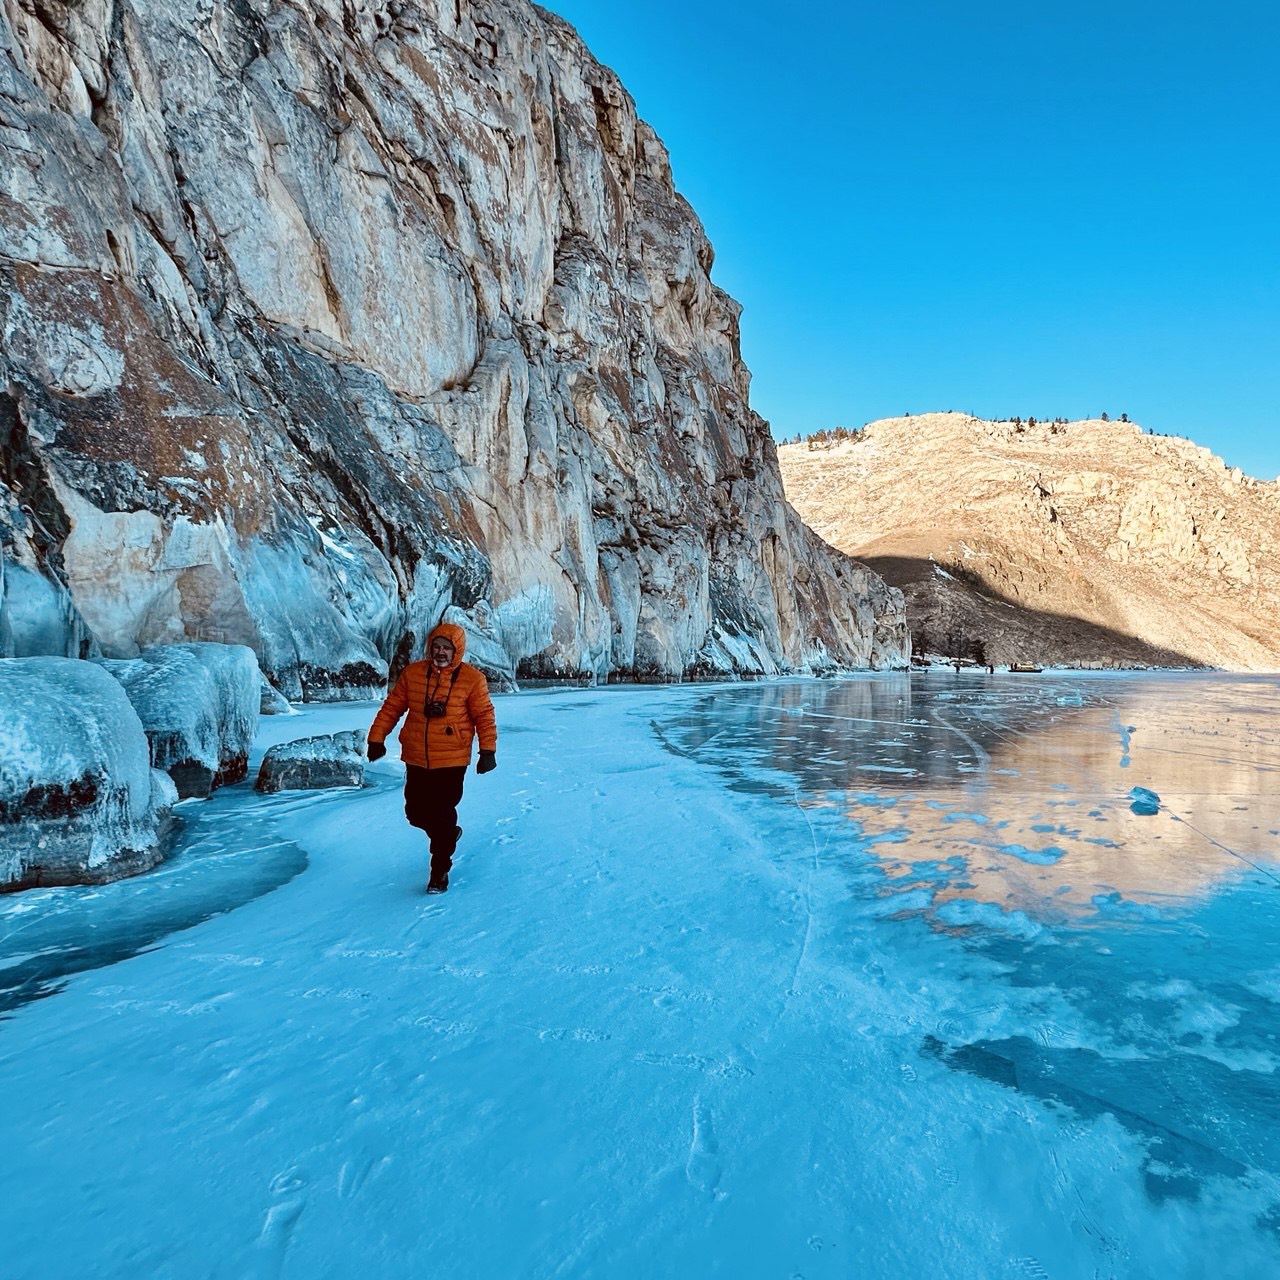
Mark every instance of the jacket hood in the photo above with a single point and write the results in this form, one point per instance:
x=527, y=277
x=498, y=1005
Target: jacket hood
x=450, y=631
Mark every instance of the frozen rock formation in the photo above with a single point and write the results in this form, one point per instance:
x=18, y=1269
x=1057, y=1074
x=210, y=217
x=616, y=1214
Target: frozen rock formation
x=331, y=760
x=79, y=801
x=199, y=706
x=320, y=317
x=1083, y=543
x=271, y=702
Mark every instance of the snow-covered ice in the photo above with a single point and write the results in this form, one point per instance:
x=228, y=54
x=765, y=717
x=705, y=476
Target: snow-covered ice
x=876, y=977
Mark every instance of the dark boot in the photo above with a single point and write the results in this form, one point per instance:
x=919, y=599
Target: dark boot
x=438, y=884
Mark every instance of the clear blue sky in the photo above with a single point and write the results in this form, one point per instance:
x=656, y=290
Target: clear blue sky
x=1000, y=206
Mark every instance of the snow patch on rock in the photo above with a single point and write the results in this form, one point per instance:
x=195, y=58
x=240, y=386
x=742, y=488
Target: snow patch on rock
x=329, y=760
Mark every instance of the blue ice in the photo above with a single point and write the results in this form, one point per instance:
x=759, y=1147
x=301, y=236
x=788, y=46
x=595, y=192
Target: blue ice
x=1145, y=803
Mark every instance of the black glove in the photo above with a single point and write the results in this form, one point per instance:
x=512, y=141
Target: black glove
x=377, y=750
x=488, y=760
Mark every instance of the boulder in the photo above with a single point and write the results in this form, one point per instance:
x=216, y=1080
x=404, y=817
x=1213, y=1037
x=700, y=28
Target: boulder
x=79, y=800
x=309, y=764
x=272, y=702
x=199, y=705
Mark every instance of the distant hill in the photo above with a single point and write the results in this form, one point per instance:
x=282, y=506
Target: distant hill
x=1081, y=543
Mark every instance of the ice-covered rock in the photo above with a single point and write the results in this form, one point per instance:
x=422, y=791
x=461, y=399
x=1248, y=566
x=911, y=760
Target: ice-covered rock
x=271, y=702
x=79, y=801
x=38, y=618
x=317, y=320
x=330, y=760
x=199, y=705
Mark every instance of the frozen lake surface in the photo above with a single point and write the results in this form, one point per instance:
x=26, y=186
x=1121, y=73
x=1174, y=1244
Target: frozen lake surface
x=941, y=974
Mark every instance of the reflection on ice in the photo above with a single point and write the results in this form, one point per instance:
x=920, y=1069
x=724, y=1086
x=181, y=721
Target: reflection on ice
x=1102, y=847
x=1039, y=786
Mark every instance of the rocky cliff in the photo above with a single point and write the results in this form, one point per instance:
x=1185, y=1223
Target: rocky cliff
x=322, y=316
x=1089, y=543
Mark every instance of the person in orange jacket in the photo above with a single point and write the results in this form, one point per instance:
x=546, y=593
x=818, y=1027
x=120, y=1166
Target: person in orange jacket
x=449, y=705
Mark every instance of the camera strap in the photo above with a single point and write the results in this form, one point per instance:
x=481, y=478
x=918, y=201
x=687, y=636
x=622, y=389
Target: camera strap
x=453, y=679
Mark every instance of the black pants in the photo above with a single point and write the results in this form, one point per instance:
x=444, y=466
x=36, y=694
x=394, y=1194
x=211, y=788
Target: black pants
x=431, y=803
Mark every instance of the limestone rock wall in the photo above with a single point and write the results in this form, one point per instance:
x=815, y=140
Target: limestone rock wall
x=319, y=317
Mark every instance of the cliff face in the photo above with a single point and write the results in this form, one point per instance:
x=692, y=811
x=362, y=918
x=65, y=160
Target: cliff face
x=321, y=316
x=1086, y=542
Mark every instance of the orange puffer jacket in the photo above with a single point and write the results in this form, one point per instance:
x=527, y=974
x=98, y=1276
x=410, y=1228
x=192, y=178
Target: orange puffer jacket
x=438, y=742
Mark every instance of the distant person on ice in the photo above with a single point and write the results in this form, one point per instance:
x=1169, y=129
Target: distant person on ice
x=448, y=704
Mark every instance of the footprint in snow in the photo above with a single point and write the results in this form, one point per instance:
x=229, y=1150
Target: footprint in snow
x=703, y=1168
x=443, y=1027
x=695, y=1062
x=1029, y=1267
x=288, y=1200
x=355, y=1173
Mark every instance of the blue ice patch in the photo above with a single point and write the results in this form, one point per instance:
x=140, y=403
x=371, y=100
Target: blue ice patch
x=874, y=801
x=1045, y=857
x=1144, y=802
x=899, y=835
x=1115, y=906
x=988, y=915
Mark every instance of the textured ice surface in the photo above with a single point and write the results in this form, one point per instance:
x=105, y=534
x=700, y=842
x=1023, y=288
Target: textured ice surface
x=1178, y=876
x=701, y=992
x=48, y=934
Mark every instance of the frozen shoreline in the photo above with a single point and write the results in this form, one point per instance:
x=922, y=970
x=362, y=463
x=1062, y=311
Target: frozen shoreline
x=676, y=1007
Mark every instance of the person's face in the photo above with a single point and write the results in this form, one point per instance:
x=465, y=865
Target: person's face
x=441, y=651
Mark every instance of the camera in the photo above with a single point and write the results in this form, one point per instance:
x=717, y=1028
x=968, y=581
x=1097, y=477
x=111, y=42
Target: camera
x=434, y=709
